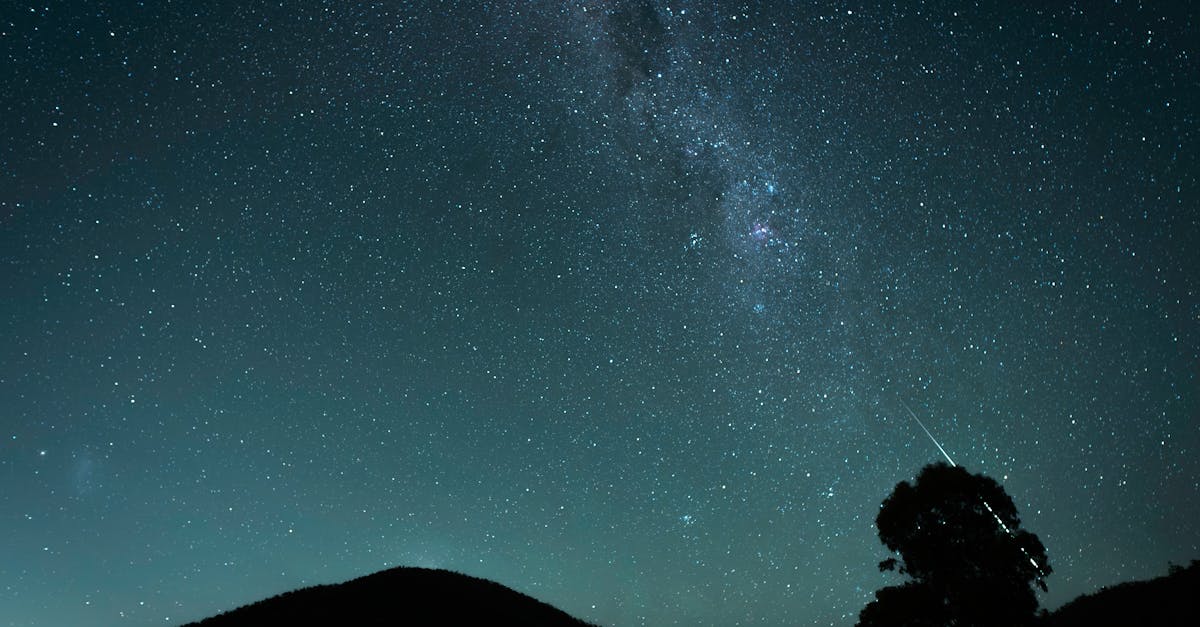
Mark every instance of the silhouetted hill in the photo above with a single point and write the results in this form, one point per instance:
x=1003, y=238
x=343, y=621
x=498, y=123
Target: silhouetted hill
x=1168, y=601
x=399, y=596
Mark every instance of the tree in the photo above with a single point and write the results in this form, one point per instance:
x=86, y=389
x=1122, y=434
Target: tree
x=960, y=543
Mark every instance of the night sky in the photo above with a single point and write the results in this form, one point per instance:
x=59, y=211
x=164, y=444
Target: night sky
x=616, y=304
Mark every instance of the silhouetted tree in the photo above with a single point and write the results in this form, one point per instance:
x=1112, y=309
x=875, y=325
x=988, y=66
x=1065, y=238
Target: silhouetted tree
x=960, y=542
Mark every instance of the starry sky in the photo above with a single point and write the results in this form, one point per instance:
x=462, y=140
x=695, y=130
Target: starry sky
x=618, y=304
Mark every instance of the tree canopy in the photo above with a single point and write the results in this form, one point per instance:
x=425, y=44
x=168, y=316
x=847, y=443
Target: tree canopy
x=959, y=541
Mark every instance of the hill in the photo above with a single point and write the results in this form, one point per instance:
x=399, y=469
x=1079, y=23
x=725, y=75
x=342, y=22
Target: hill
x=399, y=596
x=1166, y=601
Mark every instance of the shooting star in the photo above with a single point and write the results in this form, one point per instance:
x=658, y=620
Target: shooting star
x=986, y=505
x=922, y=425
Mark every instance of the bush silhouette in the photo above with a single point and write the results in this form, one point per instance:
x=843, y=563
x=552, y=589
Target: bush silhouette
x=1167, y=601
x=960, y=542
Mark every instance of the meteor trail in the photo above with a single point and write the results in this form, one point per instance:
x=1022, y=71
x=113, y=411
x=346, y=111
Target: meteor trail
x=922, y=425
x=986, y=505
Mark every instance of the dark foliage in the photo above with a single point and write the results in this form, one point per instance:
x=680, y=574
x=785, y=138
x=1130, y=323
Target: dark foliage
x=400, y=596
x=911, y=604
x=960, y=542
x=1167, y=601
